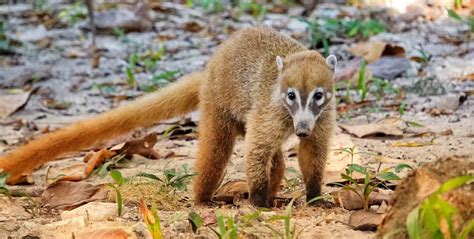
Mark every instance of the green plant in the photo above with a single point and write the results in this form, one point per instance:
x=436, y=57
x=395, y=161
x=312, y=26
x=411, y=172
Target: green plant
x=467, y=20
x=3, y=183
x=371, y=181
x=119, y=181
x=177, y=179
x=195, y=220
x=226, y=226
x=152, y=219
x=361, y=81
x=356, y=27
x=73, y=13
x=321, y=31
x=164, y=78
x=112, y=163
x=426, y=220
x=289, y=231
x=379, y=87
x=208, y=5
x=401, y=109
x=257, y=10
x=129, y=70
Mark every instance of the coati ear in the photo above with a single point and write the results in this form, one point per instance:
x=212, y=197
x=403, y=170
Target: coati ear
x=279, y=63
x=331, y=60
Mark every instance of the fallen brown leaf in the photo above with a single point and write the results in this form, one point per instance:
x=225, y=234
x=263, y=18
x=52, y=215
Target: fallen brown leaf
x=365, y=221
x=69, y=195
x=97, y=159
x=143, y=147
x=374, y=50
x=390, y=126
x=11, y=103
x=193, y=26
x=232, y=192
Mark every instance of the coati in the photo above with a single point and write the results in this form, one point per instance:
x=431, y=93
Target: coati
x=259, y=83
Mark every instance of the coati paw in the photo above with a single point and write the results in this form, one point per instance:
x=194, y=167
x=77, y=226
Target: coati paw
x=259, y=201
x=206, y=203
x=323, y=204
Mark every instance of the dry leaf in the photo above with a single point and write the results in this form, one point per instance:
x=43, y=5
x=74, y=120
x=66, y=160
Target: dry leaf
x=351, y=201
x=69, y=195
x=374, y=50
x=11, y=103
x=70, y=173
x=365, y=221
x=193, y=26
x=413, y=144
x=390, y=126
x=137, y=21
x=232, y=192
x=97, y=159
x=143, y=147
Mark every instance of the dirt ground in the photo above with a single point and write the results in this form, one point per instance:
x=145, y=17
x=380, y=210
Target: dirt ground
x=54, y=66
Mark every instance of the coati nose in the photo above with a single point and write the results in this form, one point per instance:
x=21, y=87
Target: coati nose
x=302, y=129
x=302, y=134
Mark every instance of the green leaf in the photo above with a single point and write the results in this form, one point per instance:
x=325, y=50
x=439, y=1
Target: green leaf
x=195, y=220
x=467, y=229
x=414, y=124
x=413, y=224
x=454, y=15
x=118, y=198
x=455, y=182
x=429, y=218
x=400, y=167
x=150, y=176
x=220, y=223
x=117, y=176
x=156, y=228
x=358, y=168
x=388, y=176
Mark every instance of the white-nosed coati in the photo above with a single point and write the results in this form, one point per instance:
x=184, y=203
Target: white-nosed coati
x=259, y=83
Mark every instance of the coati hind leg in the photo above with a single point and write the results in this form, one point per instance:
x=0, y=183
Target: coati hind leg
x=276, y=174
x=312, y=156
x=217, y=132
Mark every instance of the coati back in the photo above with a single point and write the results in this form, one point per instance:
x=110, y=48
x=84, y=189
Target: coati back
x=259, y=83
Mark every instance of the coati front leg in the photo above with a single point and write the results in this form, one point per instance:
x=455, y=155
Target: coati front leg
x=276, y=174
x=266, y=131
x=312, y=156
x=217, y=132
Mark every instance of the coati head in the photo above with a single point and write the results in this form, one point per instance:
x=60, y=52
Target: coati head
x=305, y=87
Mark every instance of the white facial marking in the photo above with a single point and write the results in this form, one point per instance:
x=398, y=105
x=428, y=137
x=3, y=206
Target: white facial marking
x=279, y=63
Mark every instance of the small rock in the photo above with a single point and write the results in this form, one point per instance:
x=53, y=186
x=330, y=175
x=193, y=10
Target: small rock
x=75, y=223
x=94, y=211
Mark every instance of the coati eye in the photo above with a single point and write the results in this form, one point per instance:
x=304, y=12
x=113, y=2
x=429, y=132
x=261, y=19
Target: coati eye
x=318, y=96
x=291, y=95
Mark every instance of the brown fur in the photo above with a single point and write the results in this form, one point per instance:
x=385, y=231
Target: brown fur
x=236, y=97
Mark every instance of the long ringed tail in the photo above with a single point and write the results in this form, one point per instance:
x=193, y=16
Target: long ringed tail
x=177, y=99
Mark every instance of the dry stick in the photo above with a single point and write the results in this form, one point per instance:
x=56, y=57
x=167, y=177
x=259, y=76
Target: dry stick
x=90, y=12
x=95, y=53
